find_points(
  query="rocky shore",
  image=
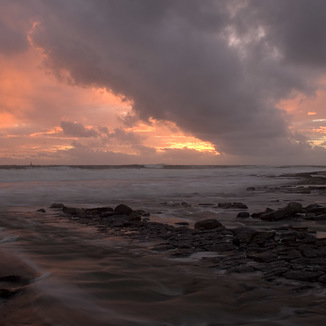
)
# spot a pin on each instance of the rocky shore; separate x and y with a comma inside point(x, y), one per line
point(278, 253)
point(282, 252)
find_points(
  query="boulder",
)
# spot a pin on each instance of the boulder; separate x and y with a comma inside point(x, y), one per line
point(80, 212)
point(316, 209)
point(224, 205)
point(258, 215)
point(134, 217)
point(232, 205)
point(119, 223)
point(243, 235)
point(289, 210)
point(107, 214)
point(123, 209)
point(98, 210)
point(243, 215)
point(208, 224)
point(239, 205)
point(261, 237)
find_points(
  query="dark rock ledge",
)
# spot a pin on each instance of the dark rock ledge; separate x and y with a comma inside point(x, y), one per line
point(293, 210)
point(287, 252)
point(304, 183)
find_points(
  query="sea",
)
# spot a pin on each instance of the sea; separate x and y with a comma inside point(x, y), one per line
point(82, 276)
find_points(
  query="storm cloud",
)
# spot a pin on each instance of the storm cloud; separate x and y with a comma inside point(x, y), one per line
point(218, 69)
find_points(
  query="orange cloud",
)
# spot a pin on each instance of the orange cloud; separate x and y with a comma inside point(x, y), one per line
point(321, 130)
point(34, 103)
point(53, 132)
point(30, 94)
point(6, 119)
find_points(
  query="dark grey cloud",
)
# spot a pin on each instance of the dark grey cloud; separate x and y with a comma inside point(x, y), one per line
point(77, 129)
point(13, 38)
point(215, 68)
point(295, 27)
point(11, 41)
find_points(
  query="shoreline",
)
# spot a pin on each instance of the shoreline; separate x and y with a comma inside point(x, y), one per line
point(273, 263)
point(283, 251)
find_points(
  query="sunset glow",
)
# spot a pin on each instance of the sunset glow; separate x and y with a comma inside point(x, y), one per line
point(162, 162)
point(67, 95)
point(181, 142)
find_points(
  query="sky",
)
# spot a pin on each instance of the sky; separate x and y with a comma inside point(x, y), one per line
point(173, 82)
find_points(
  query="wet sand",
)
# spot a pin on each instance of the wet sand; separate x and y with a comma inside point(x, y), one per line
point(175, 293)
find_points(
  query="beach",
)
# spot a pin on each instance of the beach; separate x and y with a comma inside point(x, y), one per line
point(180, 260)
point(162, 163)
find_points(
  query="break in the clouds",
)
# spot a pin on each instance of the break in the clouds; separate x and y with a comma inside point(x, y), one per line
point(217, 69)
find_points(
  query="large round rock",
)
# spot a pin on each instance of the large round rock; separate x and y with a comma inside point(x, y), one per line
point(243, 215)
point(123, 209)
point(208, 224)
